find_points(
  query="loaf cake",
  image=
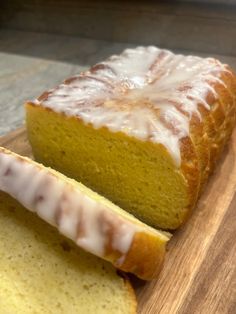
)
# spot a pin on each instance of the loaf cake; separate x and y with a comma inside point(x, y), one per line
point(144, 128)
point(91, 221)
point(42, 272)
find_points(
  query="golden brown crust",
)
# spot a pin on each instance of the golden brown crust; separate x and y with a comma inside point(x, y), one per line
point(208, 137)
point(201, 142)
point(223, 115)
point(145, 257)
point(190, 167)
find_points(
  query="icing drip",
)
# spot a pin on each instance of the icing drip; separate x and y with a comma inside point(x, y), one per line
point(146, 92)
point(89, 223)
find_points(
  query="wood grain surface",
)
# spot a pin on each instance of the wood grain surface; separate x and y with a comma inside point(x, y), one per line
point(199, 275)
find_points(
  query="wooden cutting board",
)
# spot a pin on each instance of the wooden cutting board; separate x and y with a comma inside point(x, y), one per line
point(199, 275)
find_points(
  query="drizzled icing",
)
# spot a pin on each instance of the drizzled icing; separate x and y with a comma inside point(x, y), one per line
point(92, 224)
point(146, 92)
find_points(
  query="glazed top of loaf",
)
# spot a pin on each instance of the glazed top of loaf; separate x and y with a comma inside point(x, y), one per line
point(146, 92)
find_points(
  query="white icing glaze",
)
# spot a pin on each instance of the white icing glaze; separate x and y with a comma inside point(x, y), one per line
point(91, 224)
point(146, 92)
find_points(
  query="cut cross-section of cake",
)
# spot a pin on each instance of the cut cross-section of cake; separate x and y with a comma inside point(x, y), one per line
point(144, 128)
point(91, 221)
point(43, 272)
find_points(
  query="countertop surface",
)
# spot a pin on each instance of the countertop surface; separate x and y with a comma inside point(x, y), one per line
point(32, 62)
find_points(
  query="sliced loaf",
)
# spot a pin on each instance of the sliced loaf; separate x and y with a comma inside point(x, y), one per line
point(143, 128)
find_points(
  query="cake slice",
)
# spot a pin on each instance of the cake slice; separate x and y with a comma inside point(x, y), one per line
point(43, 272)
point(144, 128)
point(91, 221)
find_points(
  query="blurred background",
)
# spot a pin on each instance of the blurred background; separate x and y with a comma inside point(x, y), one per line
point(44, 41)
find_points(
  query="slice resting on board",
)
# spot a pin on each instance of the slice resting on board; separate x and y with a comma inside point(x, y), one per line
point(92, 222)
